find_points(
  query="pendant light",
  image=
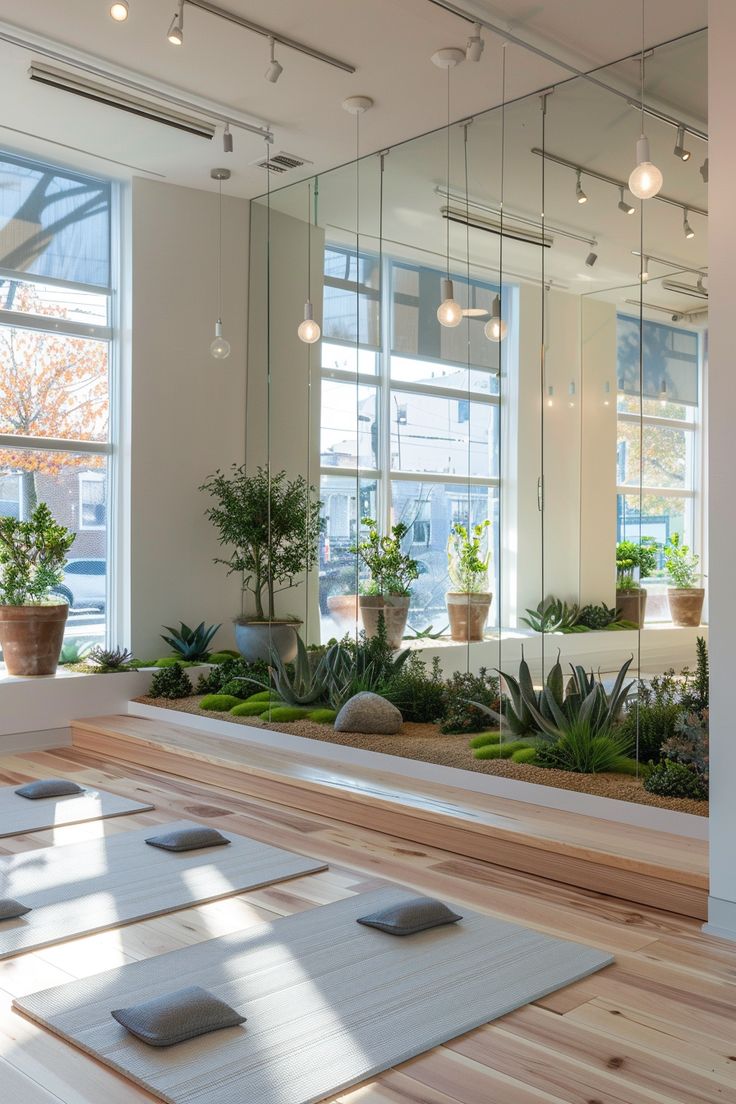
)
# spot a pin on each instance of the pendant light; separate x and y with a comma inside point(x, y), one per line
point(646, 179)
point(119, 11)
point(309, 331)
point(220, 346)
point(449, 312)
point(495, 328)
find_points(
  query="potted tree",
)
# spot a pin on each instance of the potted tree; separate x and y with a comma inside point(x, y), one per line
point(33, 555)
point(684, 597)
point(633, 563)
point(387, 593)
point(469, 599)
point(272, 524)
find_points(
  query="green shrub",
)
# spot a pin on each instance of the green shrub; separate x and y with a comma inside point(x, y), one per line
point(583, 749)
point(322, 716)
point(463, 691)
point(252, 675)
point(484, 738)
point(420, 697)
point(222, 656)
point(625, 765)
point(500, 751)
point(655, 723)
point(525, 755)
point(171, 682)
point(237, 688)
point(218, 703)
point(169, 661)
point(285, 713)
point(696, 696)
point(247, 709)
point(675, 780)
point(689, 744)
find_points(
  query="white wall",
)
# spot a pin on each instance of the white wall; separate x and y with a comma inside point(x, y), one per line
point(722, 407)
point(186, 411)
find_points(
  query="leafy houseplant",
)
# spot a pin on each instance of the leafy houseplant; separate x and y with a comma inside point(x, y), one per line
point(468, 600)
point(33, 555)
point(190, 644)
point(633, 563)
point(271, 523)
point(388, 591)
point(684, 597)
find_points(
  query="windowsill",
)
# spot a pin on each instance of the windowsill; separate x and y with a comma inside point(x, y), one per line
point(523, 634)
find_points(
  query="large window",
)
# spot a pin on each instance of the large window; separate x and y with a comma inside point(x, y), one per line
point(55, 360)
point(658, 458)
point(409, 418)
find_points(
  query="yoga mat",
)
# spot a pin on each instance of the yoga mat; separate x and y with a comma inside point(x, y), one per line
point(19, 815)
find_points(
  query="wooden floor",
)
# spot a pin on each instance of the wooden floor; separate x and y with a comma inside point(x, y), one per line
point(654, 868)
point(657, 1027)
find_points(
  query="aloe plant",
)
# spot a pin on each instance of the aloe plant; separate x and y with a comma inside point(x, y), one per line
point(517, 717)
point(586, 703)
point(552, 615)
point(304, 684)
point(189, 643)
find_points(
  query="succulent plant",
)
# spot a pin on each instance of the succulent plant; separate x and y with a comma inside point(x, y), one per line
point(517, 716)
point(74, 651)
point(299, 683)
point(111, 659)
point(597, 616)
point(189, 643)
point(552, 615)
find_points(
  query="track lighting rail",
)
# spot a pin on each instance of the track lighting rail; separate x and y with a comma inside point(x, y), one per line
point(265, 32)
point(663, 117)
point(614, 181)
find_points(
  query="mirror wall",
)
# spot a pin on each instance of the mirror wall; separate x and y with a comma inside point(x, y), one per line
point(580, 428)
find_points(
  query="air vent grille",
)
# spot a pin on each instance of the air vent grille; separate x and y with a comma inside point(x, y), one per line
point(281, 162)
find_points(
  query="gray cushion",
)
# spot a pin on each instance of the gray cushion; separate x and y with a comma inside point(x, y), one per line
point(413, 915)
point(188, 839)
point(9, 908)
point(177, 1016)
point(49, 787)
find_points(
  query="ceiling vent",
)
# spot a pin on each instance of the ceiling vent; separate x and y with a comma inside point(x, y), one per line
point(281, 162)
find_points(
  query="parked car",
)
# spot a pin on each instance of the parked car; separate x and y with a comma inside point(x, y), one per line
point(85, 584)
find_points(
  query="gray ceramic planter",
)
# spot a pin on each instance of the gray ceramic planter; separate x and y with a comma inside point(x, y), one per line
point(256, 638)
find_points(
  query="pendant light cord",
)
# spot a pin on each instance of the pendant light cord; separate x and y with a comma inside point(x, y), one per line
point(268, 383)
point(309, 241)
point(641, 66)
point(447, 178)
point(219, 254)
point(492, 538)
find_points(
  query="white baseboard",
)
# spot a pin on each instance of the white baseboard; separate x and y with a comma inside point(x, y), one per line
point(721, 919)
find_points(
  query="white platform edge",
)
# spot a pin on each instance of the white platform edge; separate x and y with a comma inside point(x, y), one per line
point(604, 808)
point(721, 919)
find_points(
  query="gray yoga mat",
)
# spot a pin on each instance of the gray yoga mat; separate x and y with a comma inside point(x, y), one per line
point(328, 1001)
point(18, 815)
point(86, 887)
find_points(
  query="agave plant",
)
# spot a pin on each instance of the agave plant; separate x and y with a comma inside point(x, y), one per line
point(304, 684)
point(348, 669)
point(74, 651)
point(112, 659)
point(552, 615)
point(192, 644)
point(517, 716)
point(586, 703)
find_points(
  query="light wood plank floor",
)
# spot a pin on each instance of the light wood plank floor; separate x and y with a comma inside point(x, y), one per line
point(657, 1027)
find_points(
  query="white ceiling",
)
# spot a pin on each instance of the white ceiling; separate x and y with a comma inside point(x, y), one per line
point(390, 44)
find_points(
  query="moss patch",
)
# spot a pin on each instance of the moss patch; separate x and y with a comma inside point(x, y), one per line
point(263, 696)
point(285, 713)
point(247, 709)
point(524, 755)
point(499, 751)
point(222, 657)
point(218, 703)
point(322, 716)
point(484, 738)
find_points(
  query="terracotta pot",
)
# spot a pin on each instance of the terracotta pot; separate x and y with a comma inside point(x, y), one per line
point(344, 611)
point(256, 638)
point(468, 614)
point(686, 604)
point(395, 609)
point(31, 637)
point(632, 605)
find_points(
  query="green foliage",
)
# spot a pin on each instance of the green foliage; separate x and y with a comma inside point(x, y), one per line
point(248, 709)
point(501, 751)
point(271, 524)
point(525, 755)
point(252, 675)
point(587, 708)
point(652, 724)
point(300, 682)
point(33, 555)
point(171, 682)
point(425, 634)
point(218, 703)
point(696, 696)
point(552, 615)
point(625, 765)
point(634, 562)
point(484, 738)
point(680, 563)
point(597, 616)
point(192, 644)
point(322, 716)
point(391, 570)
point(583, 749)
point(110, 659)
point(689, 744)
point(351, 666)
point(223, 656)
point(74, 651)
point(469, 698)
point(236, 688)
point(515, 714)
point(467, 566)
point(422, 698)
point(284, 713)
point(263, 696)
point(169, 661)
point(670, 779)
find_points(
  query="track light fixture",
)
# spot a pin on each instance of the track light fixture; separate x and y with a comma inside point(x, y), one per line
point(591, 259)
point(119, 11)
point(274, 70)
point(704, 171)
point(475, 45)
point(686, 227)
point(175, 33)
point(227, 139)
point(679, 150)
point(627, 208)
point(581, 196)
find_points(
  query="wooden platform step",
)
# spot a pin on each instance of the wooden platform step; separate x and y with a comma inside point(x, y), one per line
point(660, 869)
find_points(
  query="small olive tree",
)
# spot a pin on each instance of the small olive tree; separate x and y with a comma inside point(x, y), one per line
point(272, 524)
point(32, 557)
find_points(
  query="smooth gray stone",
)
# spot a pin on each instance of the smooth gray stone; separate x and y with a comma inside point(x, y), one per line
point(370, 714)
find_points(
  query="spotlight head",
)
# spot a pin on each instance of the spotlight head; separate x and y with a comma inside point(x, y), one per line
point(679, 150)
point(475, 45)
point(274, 70)
point(227, 139)
point(627, 208)
point(591, 259)
point(580, 194)
point(704, 171)
point(119, 11)
point(686, 227)
point(175, 32)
